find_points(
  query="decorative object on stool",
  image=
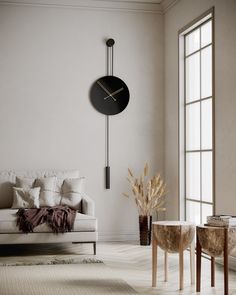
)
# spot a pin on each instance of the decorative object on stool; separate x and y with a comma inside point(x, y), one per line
point(221, 220)
point(149, 195)
point(173, 237)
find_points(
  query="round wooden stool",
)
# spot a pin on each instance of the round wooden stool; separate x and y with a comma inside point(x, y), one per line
point(173, 237)
point(216, 242)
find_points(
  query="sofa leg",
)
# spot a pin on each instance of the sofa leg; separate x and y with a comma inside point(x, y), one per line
point(94, 248)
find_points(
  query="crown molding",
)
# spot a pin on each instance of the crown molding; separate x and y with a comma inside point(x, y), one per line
point(110, 5)
point(167, 4)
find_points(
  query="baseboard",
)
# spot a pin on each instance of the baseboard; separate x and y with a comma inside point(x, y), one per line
point(117, 236)
point(232, 262)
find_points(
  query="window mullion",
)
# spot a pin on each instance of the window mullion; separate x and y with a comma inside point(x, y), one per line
point(185, 165)
point(198, 100)
point(200, 73)
point(196, 51)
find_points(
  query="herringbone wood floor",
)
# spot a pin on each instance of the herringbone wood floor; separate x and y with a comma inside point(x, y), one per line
point(132, 263)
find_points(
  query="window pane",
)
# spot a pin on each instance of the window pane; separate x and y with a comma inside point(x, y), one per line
point(193, 212)
point(206, 72)
point(207, 210)
point(193, 77)
point(192, 42)
point(207, 176)
point(206, 34)
point(193, 176)
point(206, 124)
point(193, 126)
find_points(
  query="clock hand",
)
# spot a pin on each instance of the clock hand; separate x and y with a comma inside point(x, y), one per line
point(100, 84)
point(115, 92)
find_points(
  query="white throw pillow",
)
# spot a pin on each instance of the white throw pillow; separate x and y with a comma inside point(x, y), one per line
point(73, 185)
point(61, 176)
point(26, 198)
point(25, 182)
point(48, 196)
point(72, 190)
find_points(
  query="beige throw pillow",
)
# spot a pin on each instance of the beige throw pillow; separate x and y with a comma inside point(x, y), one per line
point(26, 198)
point(48, 196)
point(72, 189)
point(25, 182)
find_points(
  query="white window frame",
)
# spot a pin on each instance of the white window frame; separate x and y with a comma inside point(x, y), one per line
point(182, 137)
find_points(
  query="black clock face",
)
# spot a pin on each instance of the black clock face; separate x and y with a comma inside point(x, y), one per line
point(109, 95)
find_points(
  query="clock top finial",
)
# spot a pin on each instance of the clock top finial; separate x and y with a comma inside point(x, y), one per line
point(110, 42)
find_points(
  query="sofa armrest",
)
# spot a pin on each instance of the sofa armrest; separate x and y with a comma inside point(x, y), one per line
point(88, 205)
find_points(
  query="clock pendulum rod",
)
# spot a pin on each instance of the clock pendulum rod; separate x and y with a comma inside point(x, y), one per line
point(109, 43)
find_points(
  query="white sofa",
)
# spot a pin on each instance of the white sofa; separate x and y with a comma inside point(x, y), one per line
point(85, 226)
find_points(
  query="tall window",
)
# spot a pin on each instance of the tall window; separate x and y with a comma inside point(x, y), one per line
point(198, 111)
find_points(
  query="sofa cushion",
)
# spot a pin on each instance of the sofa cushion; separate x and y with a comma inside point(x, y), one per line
point(48, 196)
point(61, 176)
point(71, 192)
point(25, 182)
point(83, 223)
point(26, 197)
point(8, 180)
point(73, 185)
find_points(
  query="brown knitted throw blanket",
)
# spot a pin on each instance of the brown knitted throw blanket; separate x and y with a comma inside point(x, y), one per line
point(60, 218)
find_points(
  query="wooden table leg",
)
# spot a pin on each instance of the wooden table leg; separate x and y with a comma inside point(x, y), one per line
point(181, 262)
point(213, 271)
point(154, 261)
point(181, 269)
point(199, 256)
point(226, 264)
point(192, 262)
point(166, 266)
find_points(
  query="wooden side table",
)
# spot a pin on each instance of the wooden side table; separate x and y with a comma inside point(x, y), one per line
point(173, 237)
point(216, 242)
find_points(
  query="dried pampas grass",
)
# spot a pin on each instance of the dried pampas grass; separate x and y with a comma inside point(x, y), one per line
point(149, 194)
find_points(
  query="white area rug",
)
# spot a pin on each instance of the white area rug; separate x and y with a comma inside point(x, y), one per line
point(46, 260)
point(19, 255)
point(68, 279)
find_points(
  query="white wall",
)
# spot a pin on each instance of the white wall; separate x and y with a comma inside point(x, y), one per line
point(49, 57)
point(225, 103)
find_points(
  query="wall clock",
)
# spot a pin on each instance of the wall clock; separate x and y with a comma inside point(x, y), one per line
point(110, 96)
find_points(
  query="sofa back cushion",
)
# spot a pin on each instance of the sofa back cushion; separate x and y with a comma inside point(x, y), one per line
point(25, 182)
point(25, 198)
point(48, 195)
point(8, 181)
point(71, 194)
